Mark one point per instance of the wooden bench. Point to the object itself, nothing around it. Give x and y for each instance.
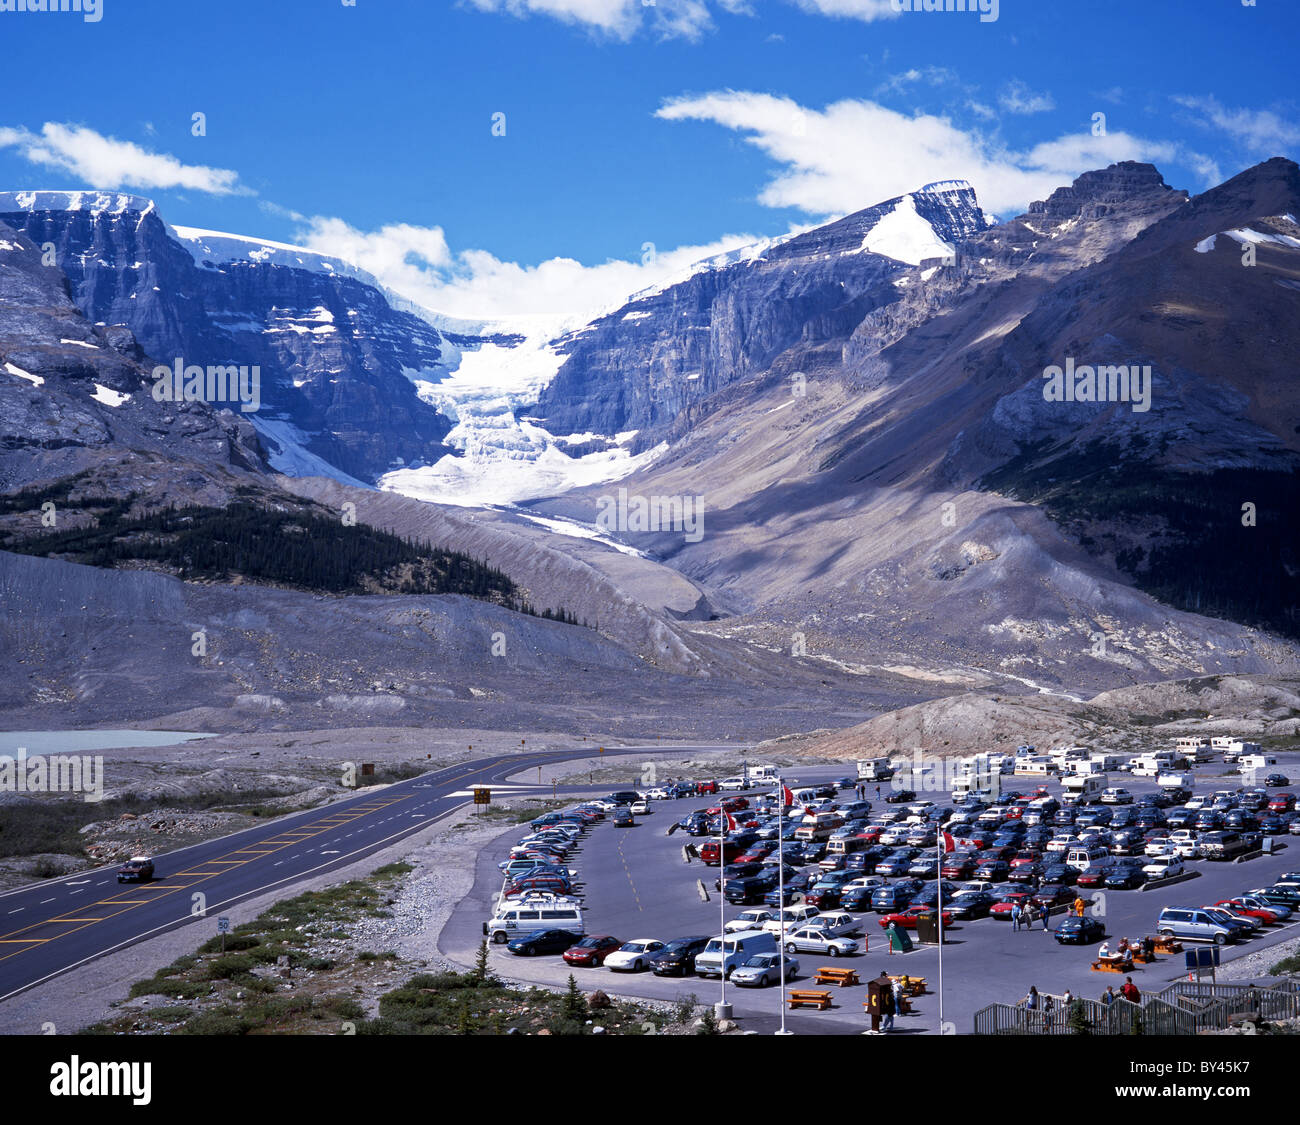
(810, 998)
(1140, 958)
(841, 977)
(1168, 945)
(1112, 965)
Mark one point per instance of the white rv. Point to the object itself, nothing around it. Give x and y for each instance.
(1085, 789)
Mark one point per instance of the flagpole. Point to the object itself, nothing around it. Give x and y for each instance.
(939, 842)
(780, 894)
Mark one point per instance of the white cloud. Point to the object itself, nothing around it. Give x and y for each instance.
(418, 263)
(1260, 132)
(854, 153)
(105, 162)
(619, 19)
(1016, 97)
(865, 10)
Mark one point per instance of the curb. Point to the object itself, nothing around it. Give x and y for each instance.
(1159, 884)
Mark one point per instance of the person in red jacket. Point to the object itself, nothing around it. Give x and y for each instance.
(1130, 991)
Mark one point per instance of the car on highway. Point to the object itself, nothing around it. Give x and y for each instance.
(592, 950)
(812, 940)
(764, 969)
(677, 958)
(1076, 930)
(622, 817)
(542, 941)
(137, 869)
(633, 956)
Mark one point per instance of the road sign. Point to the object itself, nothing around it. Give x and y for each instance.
(482, 795)
(223, 925)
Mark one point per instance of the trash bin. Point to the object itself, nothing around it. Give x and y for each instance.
(899, 942)
(927, 929)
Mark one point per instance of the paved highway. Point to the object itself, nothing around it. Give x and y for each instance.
(52, 927)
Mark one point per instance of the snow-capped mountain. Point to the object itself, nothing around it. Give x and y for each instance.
(336, 358)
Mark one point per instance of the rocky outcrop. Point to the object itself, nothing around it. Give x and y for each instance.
(337, 360)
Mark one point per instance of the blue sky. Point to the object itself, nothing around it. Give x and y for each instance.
(690, 125)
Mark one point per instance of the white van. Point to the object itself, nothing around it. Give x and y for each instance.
(1083, 858)
(722, 955)
(533, 916)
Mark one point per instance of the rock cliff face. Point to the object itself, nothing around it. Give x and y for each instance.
(75, 395)
(339, 365)
(641, 366)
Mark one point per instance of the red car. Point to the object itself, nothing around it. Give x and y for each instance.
(1021, 858)
(734, 804)
(1281, 802)
(709, 852)
(591, 950)
(1002, 908)
(554, 884)
(704, 788)
(1256, 913)
(958, 866)
(907, 918)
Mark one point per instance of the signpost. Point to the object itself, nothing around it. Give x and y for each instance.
(223, 928)
(482, 795)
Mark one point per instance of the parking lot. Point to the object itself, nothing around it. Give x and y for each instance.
(636, 884)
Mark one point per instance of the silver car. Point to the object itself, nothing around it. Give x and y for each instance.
(812, 940)
(764, 969)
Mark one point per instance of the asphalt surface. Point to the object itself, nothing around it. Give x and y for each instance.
(53, 927)
(636, 885)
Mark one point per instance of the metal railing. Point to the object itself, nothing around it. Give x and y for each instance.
(1183, 1008)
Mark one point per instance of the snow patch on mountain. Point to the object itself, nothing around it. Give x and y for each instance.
(905, 236)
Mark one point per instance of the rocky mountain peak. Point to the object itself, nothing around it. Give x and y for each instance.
(1095, 193)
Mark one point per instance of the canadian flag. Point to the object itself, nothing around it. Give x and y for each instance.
(731, 821)
(787, 797)
(948, 845)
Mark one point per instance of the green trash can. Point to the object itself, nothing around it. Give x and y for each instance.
(899, 941)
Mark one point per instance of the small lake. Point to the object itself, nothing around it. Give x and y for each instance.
(46, 742)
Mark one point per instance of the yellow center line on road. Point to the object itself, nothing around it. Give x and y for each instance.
(247, 854)
(172, 886)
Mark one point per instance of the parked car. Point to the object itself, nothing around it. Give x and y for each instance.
(812, 940)
(633, 956)
(677, 958)
(764, 969)
(1192, 925)
(969, 905)
(907, 918)
(1125, 877)
(592, 950)
(1076, 930)
(1164, 867)
(752, 919)
(542, 941)
(622, 817)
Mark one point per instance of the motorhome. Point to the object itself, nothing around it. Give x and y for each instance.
(755, 774)
(1035, 767)
(984, 786)
(874, 769)
(1249, 763)
(1235, 748)
(818, 826)
(1085, 789)
(1175, 781)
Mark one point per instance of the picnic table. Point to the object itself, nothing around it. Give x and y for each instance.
(912, 986)
(1167, 944)
(810, 998)
(841, 977)
(1113, 965)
